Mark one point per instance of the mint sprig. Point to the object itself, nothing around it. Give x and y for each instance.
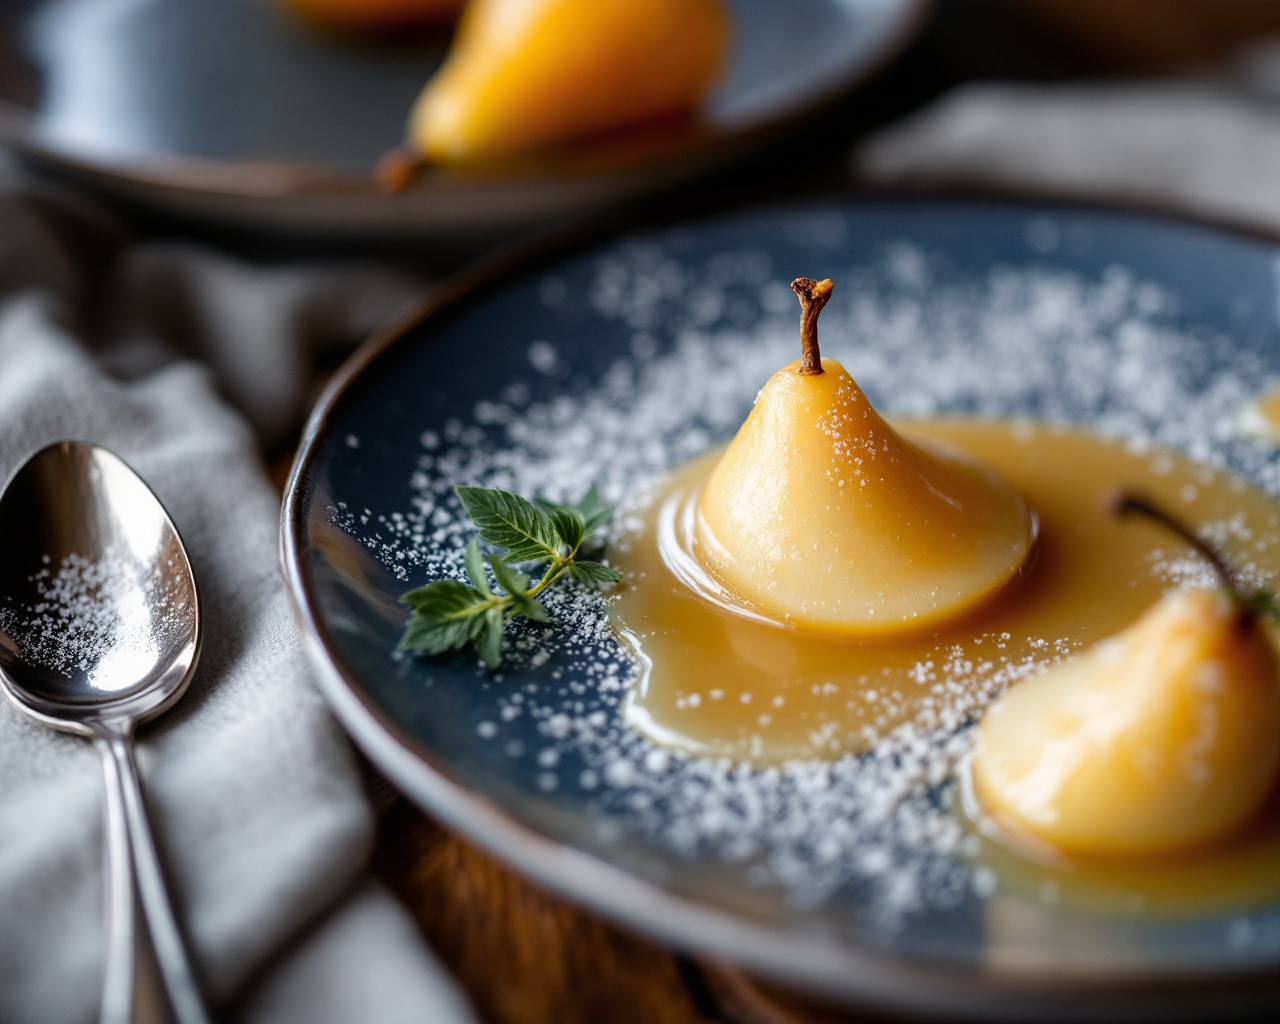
(449, 614)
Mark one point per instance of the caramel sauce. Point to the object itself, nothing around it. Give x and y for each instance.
(718, 681)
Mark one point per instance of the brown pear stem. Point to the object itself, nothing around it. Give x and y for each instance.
(398, 169)
(813, 296)
(1127, 504)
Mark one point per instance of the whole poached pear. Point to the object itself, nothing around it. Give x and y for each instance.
(523, 75)
(1162, 738)
(821, 515)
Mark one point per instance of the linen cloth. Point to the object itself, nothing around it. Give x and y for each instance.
(1206, 145)
(254, 793)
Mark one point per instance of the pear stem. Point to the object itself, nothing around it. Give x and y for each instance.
(398, 169)
(813, 296)
(1127, 504)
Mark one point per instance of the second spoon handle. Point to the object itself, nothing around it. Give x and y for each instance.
(171, 953)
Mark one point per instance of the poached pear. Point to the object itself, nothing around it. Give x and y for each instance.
(820, 514)
(526, 74)
(1161, 738)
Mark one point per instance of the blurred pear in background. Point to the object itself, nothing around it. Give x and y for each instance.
(524, 75)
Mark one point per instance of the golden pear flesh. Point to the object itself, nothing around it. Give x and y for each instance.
(820, 514)
(527, 74)
(1159, 739)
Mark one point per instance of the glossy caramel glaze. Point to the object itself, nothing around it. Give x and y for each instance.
(720, 681)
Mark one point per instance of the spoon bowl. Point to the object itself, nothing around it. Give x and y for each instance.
(100, 630)
(99, 615)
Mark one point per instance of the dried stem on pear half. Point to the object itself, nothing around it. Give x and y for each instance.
(1249, 606)
(813, 296)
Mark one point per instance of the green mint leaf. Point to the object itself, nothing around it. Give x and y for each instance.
(589, 504)
(507, 520)
(517, 584)
(529, 608)
(596, 520)
(569, 525)
(585, 506)
(442, 597)
(511, 580)
(444, 616)
(424, 636)
(588, 511)
(594, 572)
(548, 506)
(475, 567)
(489, 637)
(567, 520)
(448, 614)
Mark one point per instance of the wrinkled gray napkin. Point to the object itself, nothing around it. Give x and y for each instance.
(1208, 146)
(255, 797)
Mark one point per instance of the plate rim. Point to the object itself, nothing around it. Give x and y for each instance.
(852, 974)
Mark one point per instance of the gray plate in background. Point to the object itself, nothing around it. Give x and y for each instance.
(232, 110)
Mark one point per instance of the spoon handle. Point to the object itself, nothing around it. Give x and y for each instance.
(117, 982)
(171, 954)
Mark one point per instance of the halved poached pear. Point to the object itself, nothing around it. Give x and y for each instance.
(1157, 740)
(821, 515)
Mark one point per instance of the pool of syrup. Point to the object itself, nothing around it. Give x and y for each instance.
(718, 681)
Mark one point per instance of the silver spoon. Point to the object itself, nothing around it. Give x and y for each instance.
(100, 630)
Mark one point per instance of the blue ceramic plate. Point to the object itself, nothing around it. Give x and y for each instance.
(236, 111)
(614, 364)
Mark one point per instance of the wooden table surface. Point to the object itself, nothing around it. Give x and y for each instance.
(527, 957)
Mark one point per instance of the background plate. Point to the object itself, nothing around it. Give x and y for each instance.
(237, 112)
(1131, 323)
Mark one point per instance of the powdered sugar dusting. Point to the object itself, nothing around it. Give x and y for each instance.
(99, 617)
(1019, 342)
